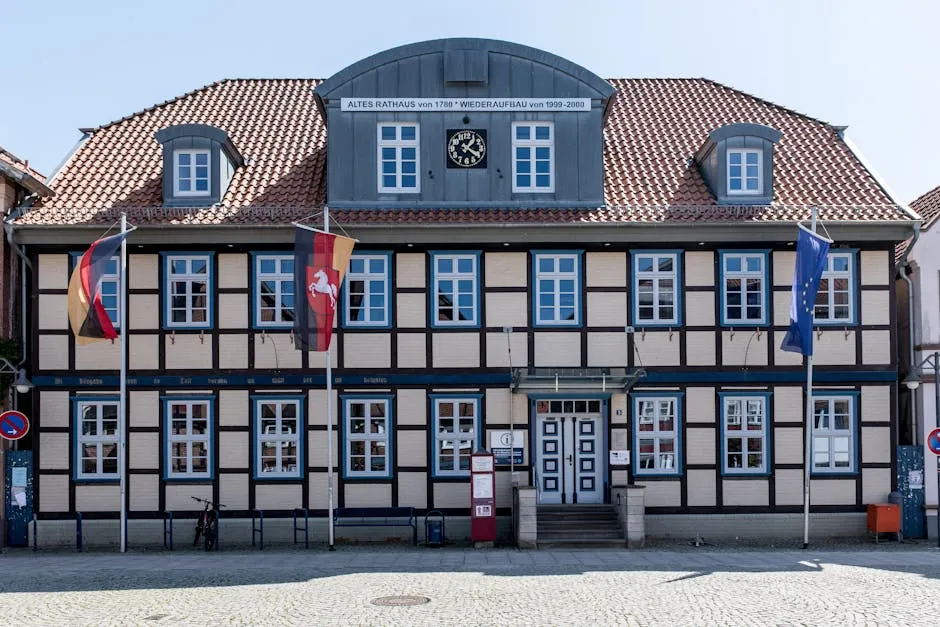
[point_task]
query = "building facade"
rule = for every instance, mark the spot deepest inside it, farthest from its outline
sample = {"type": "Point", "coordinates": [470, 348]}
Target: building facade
{"type": "Point", "coordinates": [602, 265]}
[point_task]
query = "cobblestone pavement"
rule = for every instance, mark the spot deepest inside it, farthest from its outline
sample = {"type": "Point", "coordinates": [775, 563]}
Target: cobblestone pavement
{"type": "Point", "coordinates": [473, 587]}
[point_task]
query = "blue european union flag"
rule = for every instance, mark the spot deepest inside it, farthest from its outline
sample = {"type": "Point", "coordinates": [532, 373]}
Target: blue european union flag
{"type": "Point", "coordinates": [811, 251]}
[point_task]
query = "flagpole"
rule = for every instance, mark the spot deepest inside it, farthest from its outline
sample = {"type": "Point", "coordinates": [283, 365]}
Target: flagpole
{"type": "Point", "coordinates": [808, 443]}
{"type": "Point", "coordinates": [329, 408]}
{"type": "Point", "coordinates": [122, 403]}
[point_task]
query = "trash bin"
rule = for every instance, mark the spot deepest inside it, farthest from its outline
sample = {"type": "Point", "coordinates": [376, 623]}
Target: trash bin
{"type": "Point", "coordinates": [434, 528]}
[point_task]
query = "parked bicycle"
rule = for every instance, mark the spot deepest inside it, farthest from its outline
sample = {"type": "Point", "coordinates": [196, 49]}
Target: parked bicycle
{"type": "Point", "coordinates": [207, 524]}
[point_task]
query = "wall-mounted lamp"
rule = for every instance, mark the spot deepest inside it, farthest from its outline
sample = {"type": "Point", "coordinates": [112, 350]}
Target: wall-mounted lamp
{"type": "Point", "coordinates": [20, 382]}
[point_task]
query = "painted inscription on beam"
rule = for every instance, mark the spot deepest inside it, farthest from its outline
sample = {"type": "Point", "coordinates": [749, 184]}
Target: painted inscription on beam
{"type": "Point", "coordinates": [464, 104]}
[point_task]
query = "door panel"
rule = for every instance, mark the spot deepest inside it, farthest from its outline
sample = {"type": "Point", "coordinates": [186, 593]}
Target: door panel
{"type": "Point", "coordinates": [569, 460]}
{"type": "Point", "coordinates": [589, 483]}
{"type": "Point", "coordinates": [550, 457]}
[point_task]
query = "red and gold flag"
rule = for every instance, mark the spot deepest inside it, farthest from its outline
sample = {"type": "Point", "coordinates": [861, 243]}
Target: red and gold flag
{"type": "Point", "coordinates": [320, 261]}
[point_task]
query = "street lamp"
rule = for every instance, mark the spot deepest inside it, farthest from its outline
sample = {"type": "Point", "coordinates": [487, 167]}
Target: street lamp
{"type": "Point", "coordinates": [20, 382]}
{"type": "Point", "coordinates": [913, 382]}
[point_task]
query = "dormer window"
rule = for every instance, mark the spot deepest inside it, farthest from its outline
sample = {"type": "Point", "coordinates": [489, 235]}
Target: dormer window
{"type": "Point", "coordinates": [744, 171]}
{"type": "Point", "coordinates": [199, 162]}
{"type": "Point", "coordinates": [192, 173]}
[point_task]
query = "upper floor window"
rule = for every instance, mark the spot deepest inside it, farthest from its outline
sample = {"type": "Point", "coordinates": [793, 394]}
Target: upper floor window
{"type": "Point", "coordinates": [656, 288]}
{"type": "Point", "coordinates": [189, 280]}
{"type": "Point", "coordinates": [366, 295]}
{"type": "Point", "coordinates": [557, 297]}
{"type": "Point", "coordinates": [455, 301]}
{"type": "Point", "coordinates": [744, 171]}
{"type": "Point", "coordinates": [744, 434]}
{"type": "Point", "coordinates": [533, 157]}
{"type": "Point", "coordinates": [367, 425]}
{"type": "Point", "coordinates": [278, 427]}
{"type": "Point", "coordinates": [97, 439]}
{"type": "Point", "coordinates": [274, 290]}
{"type": "Point", "coordinates": [834, 433]}
{"type": "Point", "coordinates": [656, 435]}
{"type": "Point", "coordinates": [744, 288]}
{"type": "Point", "coordinates": [192, 172]}
{"type": "Point", "coordinates": [188, 439]}
{"type": "Point", "coordinates": [399, 158]}
{"type": "Point", "coordinates": [456, 431]}
{"type": "Point", "coordinates": [835, 300]}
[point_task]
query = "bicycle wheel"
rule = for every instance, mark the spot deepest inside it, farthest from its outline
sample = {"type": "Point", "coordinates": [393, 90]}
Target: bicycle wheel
{"type": "Point", "coordinates": [200, 524]}
{"type": "Point", "coordinates": [210, 534]}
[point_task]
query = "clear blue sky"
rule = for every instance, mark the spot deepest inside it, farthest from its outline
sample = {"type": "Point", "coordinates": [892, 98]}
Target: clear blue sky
{"type": "Point", "coordinates": [871, 65]}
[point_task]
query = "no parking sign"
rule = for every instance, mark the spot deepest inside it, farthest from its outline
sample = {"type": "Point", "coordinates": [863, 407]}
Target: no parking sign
{"type": "Point", "coordinates": [933, 441]}
{"type": "Point", "coordinates": [13, 425]}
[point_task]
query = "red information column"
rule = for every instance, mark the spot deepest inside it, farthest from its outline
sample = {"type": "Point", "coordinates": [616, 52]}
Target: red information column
{"type": "Point", "coordinates": [482, 497]}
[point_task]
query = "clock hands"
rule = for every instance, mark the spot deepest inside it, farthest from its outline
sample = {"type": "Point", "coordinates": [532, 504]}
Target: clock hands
{"type": "Point", "coordinates": [467, 148]}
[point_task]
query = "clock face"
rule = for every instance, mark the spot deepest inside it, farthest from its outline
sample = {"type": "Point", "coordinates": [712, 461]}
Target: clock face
{"type": "Point", "coordinates": [466, 148]}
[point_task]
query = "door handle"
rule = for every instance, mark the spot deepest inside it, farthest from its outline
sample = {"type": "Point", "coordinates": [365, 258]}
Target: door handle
{"type": "Point", "coordinates": [570, 459]}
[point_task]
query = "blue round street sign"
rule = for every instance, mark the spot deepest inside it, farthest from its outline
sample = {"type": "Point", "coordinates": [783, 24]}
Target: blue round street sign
{"type": "Point", "coordinates": [933, 441]}
{"type": "Point", "coordinates": [13, 425]}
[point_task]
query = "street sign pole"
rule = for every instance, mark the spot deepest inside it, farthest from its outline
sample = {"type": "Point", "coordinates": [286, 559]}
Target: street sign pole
{"type": "Point", "coordinates": [933, 443]}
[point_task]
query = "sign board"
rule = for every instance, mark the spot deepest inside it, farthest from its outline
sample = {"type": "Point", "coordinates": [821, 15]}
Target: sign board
{"type": "Point", "coordinates": [482, 486]}
{"type": "Point", "coordinates": [464, 104]}
{"type": "Point", "coordinates": [13, 425]}
{"type": "Point", "coordinates": [619, 458]}
{"type": "Point", "coordinates": [933, 441]}
{"type": "Point", "coordinates": [501, 448]}
{"type": "Point", "coordinates": [481, 463]}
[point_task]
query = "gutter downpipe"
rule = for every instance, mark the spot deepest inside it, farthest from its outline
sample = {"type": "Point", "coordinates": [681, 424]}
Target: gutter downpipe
{"type": "Point", "coordinates": [903, 267]}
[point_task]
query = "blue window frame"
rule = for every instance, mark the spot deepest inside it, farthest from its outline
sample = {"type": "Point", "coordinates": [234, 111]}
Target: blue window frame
{"type": "Point", "coordinates": [97, 432]}
{"type": "Point", "coordinates": [657, 434]}
{"type": "Point", "coordinates": [556, 280]}
{"type": "Point", "coordinates": [188, 438]}
{"type": "Point", "coordinates": [399, 157]}
{"type": "Point", "coordinates": [187, 290]}
{"type": "Point", "coordinates": [455, 284]}
{"type": "Point", "coordinates": [744, 172]}
{"type": "Point", "coordinates": [533, 157]}
{"type": "Point", "coordinates": [835, 428]}
{"type": "Point", "coordinates": [367, 442]}
{"type": "Point", "coordinates": [279, 431]}
{"type": "Point", "coordinates": [367, 291]}
{"type": "Point", "coordinates": [110, 285]}
{"type": "Point", "coordinates": [657, 287]}
{"type": "Point", "coordinates": [745, 288]}
{"type": "Point", "coordinates": [273, 290]}
{"type": "Point", "coordinates": [745, 433]}
{"type": "Point", "coordinates": [455, 433]}
{"type": "Point", "coordinates": [836, 298]}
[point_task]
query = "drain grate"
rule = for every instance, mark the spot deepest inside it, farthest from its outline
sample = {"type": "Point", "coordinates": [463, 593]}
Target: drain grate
{"type": "Point", "coordinates": [400, 600]}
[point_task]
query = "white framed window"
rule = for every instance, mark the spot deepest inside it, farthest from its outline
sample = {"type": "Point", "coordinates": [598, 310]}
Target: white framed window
{"type": "Point", "coordinates": [835, 300]}
{"type": "Point", "coordinates": [366, 296]}
{"type": "Point", "coordinates": [745, 434]}
{"type": "Point", "coordinates": [557, 298]}
{"type": "Point", "coordinates": [368, 428]}
{"type": "Point", "coordinates": [455, 432]}
{"type": "Point", "coordinates": [744, 171]}
{"type": "Point", "coordinates": [188, 286]}
{"type": "Point", "coordinates": [533, 157]}
{"type": "Point", "coordinates": [191, 169]}
{"type": "Point", "coordinates": [656, 288]}
{"type": "Point", "coordinates": [188, 438]}
{"type": "Point", "coordinates": [97, 434]}
{"type": "Point", "coordinates": [744, 288]}
{"type": "Point", "coordinates": [278, 438]}
{"type": "Point", "coordinates": [455, 281]}
{"type": "Point", "coordinates": [399, 157]}
{"type": "Point", "coordinates": [833, 433]}
{"type": "Point", "coordinates": [656, 435]}
{"type": "Point", "coordinates": [274, 290]}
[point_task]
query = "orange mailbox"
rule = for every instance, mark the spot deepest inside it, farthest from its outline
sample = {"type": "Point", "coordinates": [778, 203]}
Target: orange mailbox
{"type": "Point", "coordinates": [482, 497]}
{"type": "Point", "coordinates": [884, 518]}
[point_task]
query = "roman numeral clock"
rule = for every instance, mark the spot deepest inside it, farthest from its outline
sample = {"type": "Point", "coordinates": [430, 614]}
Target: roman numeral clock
{"type": "Point", "coordinates": [466, 148]}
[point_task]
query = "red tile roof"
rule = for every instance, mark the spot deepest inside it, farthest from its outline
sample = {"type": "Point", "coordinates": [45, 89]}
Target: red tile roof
{"type": "Point", "coordinates": [654, 127]}
{"type": "Point", "coordinates": [19, 170]}
{"type": "Point", "coordinates": [928, 206]}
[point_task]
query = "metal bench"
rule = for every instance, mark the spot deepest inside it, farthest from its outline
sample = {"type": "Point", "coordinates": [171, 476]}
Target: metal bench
{"type": "Point", "coordinates": [377, 517]}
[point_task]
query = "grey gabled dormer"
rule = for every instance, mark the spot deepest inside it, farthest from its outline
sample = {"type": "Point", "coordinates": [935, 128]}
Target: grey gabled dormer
{"type": "Point", "coordinates": [198, 164]}
{"type": "Point", "coordinates": [737, 163]}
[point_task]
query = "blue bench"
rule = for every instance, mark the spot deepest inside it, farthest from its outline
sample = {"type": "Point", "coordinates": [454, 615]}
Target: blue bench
{"type": "Point", "coordinates": [377, 517]}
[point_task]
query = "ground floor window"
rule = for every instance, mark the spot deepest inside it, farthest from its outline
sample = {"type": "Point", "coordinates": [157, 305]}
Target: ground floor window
{"type": "Point", "coordinates": [278, 442]}
{"type": "Point", "coordinates": [188, 438]}
{"type": "Point", "coordinates": [455, 431]}
{"type": "Point", "coordinates": [97, 437]}
{"type": "Point", "coordinates": [656, 434]}
{"type": "Point", "coordinates": [744, 433]}
{"type": "Point", "coordinates": [833, 433]}
{"type": "Point", "coordinates": [367, 426]}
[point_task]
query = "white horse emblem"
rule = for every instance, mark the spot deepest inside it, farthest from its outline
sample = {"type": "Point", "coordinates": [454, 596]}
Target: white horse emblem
{"type": "Point", "coordinates": [322, 285]}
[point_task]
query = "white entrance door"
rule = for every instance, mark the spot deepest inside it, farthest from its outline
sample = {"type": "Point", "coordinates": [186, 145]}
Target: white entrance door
{"type": "Point", "coordinates": [570, 463]}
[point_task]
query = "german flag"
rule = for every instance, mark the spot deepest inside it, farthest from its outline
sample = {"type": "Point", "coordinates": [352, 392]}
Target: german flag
{"type": "Point", "coordinates": [87, 316]}
{"type": "Point", "coordinates": [320, 261]}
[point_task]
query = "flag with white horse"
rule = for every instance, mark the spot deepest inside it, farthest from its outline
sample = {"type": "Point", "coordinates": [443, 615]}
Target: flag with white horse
{"type": "Point", "coordinates": [320, 261]}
